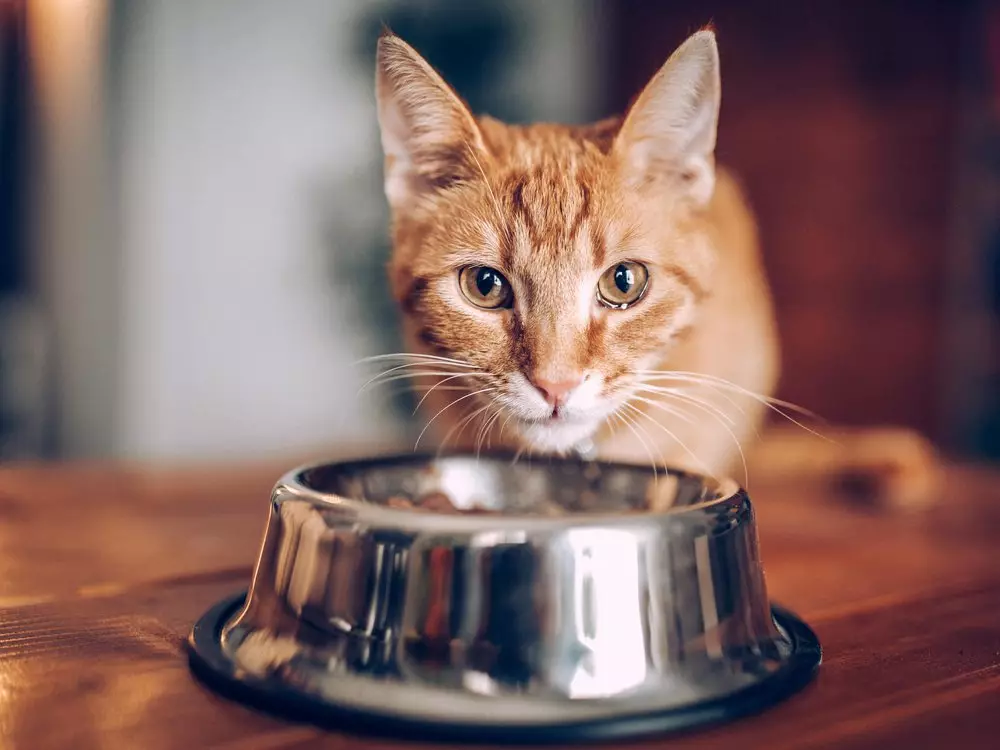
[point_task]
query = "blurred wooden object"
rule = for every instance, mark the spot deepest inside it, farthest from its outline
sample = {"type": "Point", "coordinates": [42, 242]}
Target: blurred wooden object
{"type": "Point", "coordinates": [104, 570]}
{"type": "Point", "coordinates": [840, 117]}
{"type": "Point", "coordinates": [884, 468]}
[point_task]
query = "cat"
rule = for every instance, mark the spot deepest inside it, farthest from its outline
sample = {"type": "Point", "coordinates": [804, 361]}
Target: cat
{"type": "Point", "coordinates": [597, 289]}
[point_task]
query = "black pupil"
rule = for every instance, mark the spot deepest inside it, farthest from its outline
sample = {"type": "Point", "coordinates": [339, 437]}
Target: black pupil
{"type": "Point", "coordinates": [624, 278]}
{"type": "Point", "coordinates": [486, 281]}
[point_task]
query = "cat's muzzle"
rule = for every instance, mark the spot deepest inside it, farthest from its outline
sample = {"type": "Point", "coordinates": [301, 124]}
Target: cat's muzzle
{"type": "Point", "coordinates": [480, 599]}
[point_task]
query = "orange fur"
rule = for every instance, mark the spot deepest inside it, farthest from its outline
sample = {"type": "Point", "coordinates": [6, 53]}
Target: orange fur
{"type": "Point", "coordinates": [552, 208]}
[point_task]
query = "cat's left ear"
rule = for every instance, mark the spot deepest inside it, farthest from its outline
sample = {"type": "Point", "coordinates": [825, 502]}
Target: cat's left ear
{"type": "Point", "coordinates": [669, 133]}
{"type": "Point", "coordinates": [429, 137]}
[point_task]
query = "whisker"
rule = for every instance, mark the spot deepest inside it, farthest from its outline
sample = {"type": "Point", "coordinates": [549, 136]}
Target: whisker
{"type": "Point", "coordinates": [680, 394]}
{"type": "Point", "coordinates": [438, 387]}
{"type": "Point", "coordinates": [705, 468]}
{"type": "Point", "coordinates": [396, 390]}
{"type": "Point", "coordinates": [683, 392]}
{"type": "Point", "coordinates": [642, 430]}
{"type": "Point", "coordinates": [382, 380]}
{"type": "Point", "coordinates": [641, 413]}
{"type": "Point", "coordinates": [398, 370]}
{"type": "Point", "coordinates": [671, 410]}
{"type": "Point", "coordinates": [384, 373]}
{"type": "Point", "coordinates": [713, 409]}
{"type": "Point", "coordinates": [486, 427]}
{"type": "Point", "coordinates": [479, 434]}
{"type": "Point", "coordinates": [727, 428]}
{"type": "Point", "coordinates": [448, 406]}
{"type": "Point", "coordinates": [415, 356]}
{"type": "Point", "coordinates": [717, 381]}
{"type": "Point", "coordinates": [771, 403]}
{"type": "Point", "coordinates": [630, 424]}
{"type": "Point", "coordinates": [485, 421]}
{"type": "Point", "coordinates": [438, 384]}
{"type": "Point", "coordinates": [460, 426]}
{"type": "Point", "coordinates": [500, 435]}
{"type": "Point", "coordinates": [716, 391]}
{"type": "Point", "coordinates": [493, 422]}
{"type": "Point", "coordinates": [633, 426]}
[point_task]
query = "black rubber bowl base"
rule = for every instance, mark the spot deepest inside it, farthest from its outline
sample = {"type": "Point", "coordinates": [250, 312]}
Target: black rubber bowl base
{"type": "Point", "coordinates": [210, 664]}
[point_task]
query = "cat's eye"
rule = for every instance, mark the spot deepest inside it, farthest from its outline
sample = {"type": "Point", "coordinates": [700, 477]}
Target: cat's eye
{"type": "Point", "coordinates": [623, 284]}
{"type": "Point", "coordinates": [485, 287]}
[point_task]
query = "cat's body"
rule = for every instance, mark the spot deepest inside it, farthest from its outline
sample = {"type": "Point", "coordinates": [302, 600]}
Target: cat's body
{"type": "Point", "coordinates": [568, 288]}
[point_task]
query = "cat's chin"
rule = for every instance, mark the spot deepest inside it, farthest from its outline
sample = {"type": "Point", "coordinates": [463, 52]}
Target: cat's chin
{"type": "Point", "coordinates": [555, 436]}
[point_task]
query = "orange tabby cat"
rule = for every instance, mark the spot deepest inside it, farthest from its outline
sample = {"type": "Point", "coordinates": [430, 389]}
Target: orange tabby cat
{"type": "Point", "coordinates": [594, 288]}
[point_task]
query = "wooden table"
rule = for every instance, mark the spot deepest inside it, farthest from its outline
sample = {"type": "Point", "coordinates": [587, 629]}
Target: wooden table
{"type": "Point", "coordinates": [102, 572]}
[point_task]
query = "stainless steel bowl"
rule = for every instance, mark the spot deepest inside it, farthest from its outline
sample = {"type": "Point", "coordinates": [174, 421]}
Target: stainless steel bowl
{"type": "Point", "coordinates": [478, 598]}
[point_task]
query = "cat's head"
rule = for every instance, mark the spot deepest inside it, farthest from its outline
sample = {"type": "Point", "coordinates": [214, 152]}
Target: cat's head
{"type": "Point", "coordinates": [559, 261]}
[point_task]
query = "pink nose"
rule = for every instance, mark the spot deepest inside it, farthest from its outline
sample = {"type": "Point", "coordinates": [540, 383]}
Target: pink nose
{"type": "Point", "coordinates": [557, 391]}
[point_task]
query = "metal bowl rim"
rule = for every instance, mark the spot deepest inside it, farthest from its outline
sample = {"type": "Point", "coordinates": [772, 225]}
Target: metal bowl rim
{"type": "Point", "coordinates": [730, 496]}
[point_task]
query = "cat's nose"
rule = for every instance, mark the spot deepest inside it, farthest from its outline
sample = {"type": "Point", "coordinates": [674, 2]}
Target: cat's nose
{"type": "Point", "coordinates": [557, 391]}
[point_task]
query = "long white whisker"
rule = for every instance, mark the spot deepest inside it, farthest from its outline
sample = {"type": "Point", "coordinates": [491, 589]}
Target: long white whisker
{"type": "Point", "coordinates": [492, 424]}
{"type": "Point", "coordinates": [394, 391]}
{"type": "Point", "coordinates": [500, 434]}
{"type": "Point", "coordinates": [381, 380]}
{"type": "Point", "coordinates": [771, 403]}
{"type": "Point", "coordinates": [668, 408]}
{"type": "Point", "coordinates": [684, 392]}
{"type": "Point", "coordinates": [448, 406]}
{"type": "Point", "coordinates": [716, 389]}
{"type": "Point", "coordinates": [714, 380]}
{"type": "Point", "coordinates": [416, 357]}
{"type": "Point", "coordinates": [680, 442]}
{"type": "Point", "coordinates": [398, 390]}
{"type": "Point", "coordinates": [460, 426]}
{"type": "Point", "coordinates": [727, 428]}
{"type": "Point", "coordinates": [479, 434]}
{"type": "Point", "coordinates": [384, 373]}
{"type": "Point", "coordinates": [682, 395]}
{"type": "Point", "coordinates": [436, 385]}
{"type": "Point", "coordinates": [416, 374]}
{"type": "Point", "coordinates": [630, 424]}
{"type": "Point", "coordinates": [641, 413]}
{"type": "Point", "coordinates": [423, 388]}
{"type": "Point", "coordinates": [409, 367]}
{"type": "Point", "coordinates": [487, 424]}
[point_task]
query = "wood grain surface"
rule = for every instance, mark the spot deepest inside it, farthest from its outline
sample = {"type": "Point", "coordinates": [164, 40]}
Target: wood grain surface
{"type": "Point", "coordinates": [103, 570]}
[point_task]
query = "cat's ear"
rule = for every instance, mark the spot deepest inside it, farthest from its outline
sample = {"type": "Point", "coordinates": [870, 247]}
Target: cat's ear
{"type": "Point", "coordinates": [429, 137]}
{"type": "Point", "coordinates": [669, 133]}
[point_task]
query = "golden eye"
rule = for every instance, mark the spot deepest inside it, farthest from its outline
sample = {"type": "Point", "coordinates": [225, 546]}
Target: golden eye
{"type": "Point", "coordinates": [622, 285]}
{"type": "Point", "coordinates": [485, 287]}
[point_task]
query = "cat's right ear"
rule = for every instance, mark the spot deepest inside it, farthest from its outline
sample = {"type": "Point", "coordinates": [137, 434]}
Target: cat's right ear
{"type": "Point", "coordinates": [429, 137]}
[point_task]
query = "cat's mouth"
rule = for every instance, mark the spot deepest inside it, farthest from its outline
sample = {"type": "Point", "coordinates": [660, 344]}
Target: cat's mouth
{"type": "Point", "coordinates": [559, 426]}
{"type": "Point", "coordinates": [555, 417]}
{"type": "Point", "coordinates": [558, 432]}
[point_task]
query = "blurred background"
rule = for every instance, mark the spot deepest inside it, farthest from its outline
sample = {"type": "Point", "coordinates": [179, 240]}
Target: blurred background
{"type": "Point", "coordinates": [193, 231]}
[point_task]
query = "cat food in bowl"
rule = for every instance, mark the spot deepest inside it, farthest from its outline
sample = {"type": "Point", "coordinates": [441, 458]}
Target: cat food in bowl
{"type": "Point", "coordinates": [482, 599]}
